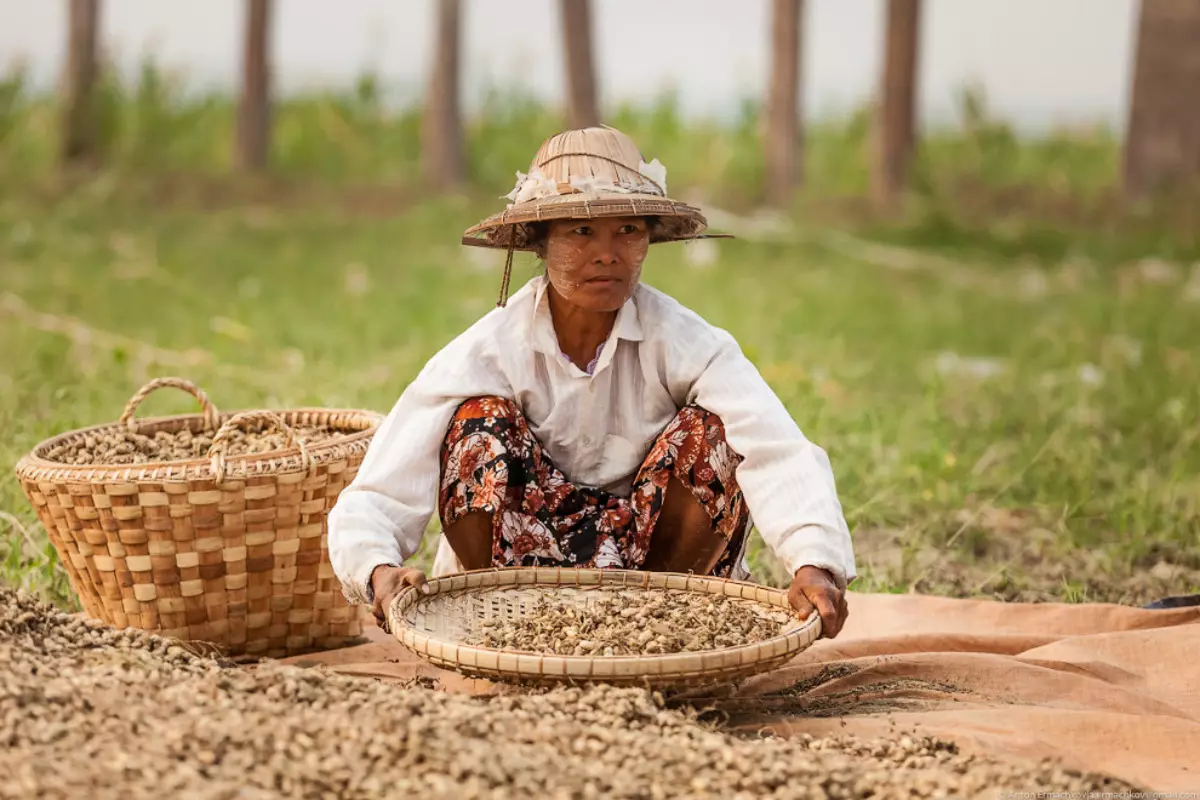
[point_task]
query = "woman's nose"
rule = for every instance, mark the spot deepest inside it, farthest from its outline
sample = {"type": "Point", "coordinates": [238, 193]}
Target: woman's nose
{"type": "Point", "coordinates": [605, 250]}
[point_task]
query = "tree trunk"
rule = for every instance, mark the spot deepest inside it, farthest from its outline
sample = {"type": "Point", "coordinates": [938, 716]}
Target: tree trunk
{"type": "Point", "coordinates": [254, 109]}
{"type": "Point", "coordinates": [582, 110]}
{"type": "Point", "coordinates": [784, 136]}
{"type": "Point", "coordinates": [80, 138]}
{"type": "Point", "coordinates": [1162, 142]}
{"type": "Point", "coordinates": [441, 128]}
{"type": "Point", "coordinates": [895, 133]}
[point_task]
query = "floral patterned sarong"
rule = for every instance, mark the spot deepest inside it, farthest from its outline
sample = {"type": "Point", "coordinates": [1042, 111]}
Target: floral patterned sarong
{"type": "Point", "coordinates": [491, 462]}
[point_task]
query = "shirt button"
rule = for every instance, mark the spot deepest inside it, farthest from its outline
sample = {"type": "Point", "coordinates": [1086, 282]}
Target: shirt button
{"type": "Point", "coordinates": [587, 441]}
{"type": "Point", "coordinates": [592, 387]}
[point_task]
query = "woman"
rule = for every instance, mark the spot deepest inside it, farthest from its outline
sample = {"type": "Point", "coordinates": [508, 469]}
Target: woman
{"type": "Point", "coordinates": [591, 421]}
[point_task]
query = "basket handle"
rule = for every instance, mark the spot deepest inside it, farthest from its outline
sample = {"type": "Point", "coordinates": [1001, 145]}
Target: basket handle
{"type": "Point", "coordinates": [220, 442]}
{"type": "Point", "coordinates": [211, 415]}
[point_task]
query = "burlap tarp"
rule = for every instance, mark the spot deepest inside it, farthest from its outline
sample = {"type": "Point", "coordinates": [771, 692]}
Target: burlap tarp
{"type": "Point", "coordinates": [1103, 688]}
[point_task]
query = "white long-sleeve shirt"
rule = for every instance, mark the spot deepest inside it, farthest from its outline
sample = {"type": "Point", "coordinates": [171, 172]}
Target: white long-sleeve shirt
{"type": "Point", "coordinates": [596, 428]}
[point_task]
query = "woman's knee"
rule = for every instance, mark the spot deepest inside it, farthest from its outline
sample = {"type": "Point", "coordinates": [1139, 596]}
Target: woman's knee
{"type": "Point", "coordinates": [699, 421]}
{"type": "Point", "coordinates": [489, 416]}
{"type": "Point", "coordinates": [487, 407]}
{"type": "Point", "coordinates": [705, 454]}
{"type": "Point", "coordinates": [477, 456]}
{"type": "Point", "coordinates": [703, 429]}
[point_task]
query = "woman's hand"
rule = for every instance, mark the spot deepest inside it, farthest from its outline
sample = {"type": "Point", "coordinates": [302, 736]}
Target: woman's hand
{"type": "Point", "coordinates": [814, 587]}
{"type": "Point", "coordinates": [387, 582]}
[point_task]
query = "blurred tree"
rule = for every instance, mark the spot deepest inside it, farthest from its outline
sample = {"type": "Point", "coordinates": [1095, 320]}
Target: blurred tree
{"type": "Point", "coordinates": [80, 125]}
{"type": "Point", "coordinates": [441, 127]}
{"type": "Point", "coordinates": [895, 121]}
{"type": "Point", "coordinates": [1162, 143]}
{"type": "Point", "coordinates": [254, 108]}
{"type": "Point", "coordinates": [784, 137]}
{"type": "Point", "coordinates": [582, 109]}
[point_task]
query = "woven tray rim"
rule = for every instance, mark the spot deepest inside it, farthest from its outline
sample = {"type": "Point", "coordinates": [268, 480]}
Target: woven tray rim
{"type": "Point", "coordinates": [735, 661]}
{"type": "Point", "coordinates": [34, 467]}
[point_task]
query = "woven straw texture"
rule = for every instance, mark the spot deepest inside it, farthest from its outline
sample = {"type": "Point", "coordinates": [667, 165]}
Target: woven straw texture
{"type": "Point", "coordinates": [230, 551]}
{"type": "Point", "coordinates": [435, 626]}
{"type": "Point", "coordinates": [590, 156]}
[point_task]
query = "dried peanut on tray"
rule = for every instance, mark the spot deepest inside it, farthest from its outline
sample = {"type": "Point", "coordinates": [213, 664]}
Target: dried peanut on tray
{"type": "Point", "coordinates": [633, 623]}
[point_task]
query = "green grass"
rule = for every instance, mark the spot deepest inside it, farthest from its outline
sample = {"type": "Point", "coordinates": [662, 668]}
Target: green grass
{"type": "Point", "coordinates": [1007, 390]}
{"type": "Point", "coordinates": [980, 417]}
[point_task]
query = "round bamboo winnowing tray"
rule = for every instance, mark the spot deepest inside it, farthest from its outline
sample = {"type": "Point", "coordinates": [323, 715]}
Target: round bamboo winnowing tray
{"type": "Point", "coordinates": [435, 626]}
{"type": "Point", "coordinates": [229, 550]}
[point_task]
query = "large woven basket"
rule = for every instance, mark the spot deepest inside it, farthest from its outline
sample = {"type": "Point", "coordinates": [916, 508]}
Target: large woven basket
{"type": "Point", "coordinates": [436, 625]}
{"type": "Point", "coordinates": [230, 551]}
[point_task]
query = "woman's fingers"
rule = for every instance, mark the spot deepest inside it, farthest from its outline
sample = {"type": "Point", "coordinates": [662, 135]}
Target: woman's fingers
{"type": "Point", "coordinates": [387, 582]}
{"type": "Point", "coordinates": [826, 604]}
{"type": "Point", "coordinates": [799, 600]}
{"type": "Point", "coordinates": [831, 605]}
{"type": "Point", "coordinates": [814, 588]}
{"type": "Point", "coordinates": [416, 579]}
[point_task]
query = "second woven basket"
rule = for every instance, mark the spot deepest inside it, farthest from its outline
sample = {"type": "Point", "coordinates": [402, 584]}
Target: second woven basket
{"type": "Point", "coordinates": [223, 549]}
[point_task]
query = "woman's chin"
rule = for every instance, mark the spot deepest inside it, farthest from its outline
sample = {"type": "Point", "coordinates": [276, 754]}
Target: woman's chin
{"type": "Point", "coordinates": [606, 295]}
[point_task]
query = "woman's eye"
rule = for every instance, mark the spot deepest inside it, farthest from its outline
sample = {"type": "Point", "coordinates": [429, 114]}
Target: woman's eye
{"type": "Point", "coordinates": [627, 229]}
{"type": "Point", "coordinates": [583, 230]}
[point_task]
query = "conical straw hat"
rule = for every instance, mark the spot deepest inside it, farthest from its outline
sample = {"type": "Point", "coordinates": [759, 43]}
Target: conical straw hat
{"type": "Point", "coordinates": [585, 174]}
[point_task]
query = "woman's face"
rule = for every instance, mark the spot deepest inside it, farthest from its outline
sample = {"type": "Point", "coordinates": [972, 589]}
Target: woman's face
{"type": "Point", "coordinates": [595, 264]}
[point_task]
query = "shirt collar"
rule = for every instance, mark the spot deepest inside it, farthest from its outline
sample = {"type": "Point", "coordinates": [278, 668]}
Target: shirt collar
{"type": "Point", "coordinates": [628, 326]}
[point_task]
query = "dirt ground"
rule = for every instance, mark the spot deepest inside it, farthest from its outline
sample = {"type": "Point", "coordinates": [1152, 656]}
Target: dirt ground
{"type": "Point", "coordinates": [1018, 560]}
{"type": "Point", "coordinates": [88, 711]}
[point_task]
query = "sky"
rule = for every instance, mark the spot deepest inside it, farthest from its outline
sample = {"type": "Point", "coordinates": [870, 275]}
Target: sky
{"type": "Point", "coordinates": [1042, 63]}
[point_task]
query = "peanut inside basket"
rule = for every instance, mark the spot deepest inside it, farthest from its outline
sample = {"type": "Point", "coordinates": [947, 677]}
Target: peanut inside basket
{"type": "Point", "coordinates": [632, 623]}
{"type": "Point", "coordinates": [120, 445]}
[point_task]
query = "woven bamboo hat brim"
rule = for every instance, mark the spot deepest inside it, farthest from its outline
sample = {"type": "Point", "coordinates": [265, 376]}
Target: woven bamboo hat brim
{"type": "Point", "coordinates": [588, 174]}
{"type": "Point", "coordinates": [436, 626]}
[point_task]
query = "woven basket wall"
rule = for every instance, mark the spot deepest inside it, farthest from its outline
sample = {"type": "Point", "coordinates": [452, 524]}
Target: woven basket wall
{"type": "Point", "coordinates": [437, 626]}
{"type": "Point", "coordinates": [229, 551]}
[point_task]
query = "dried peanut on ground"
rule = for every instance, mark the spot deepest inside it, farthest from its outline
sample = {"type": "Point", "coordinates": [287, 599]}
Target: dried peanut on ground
{"type": "Point", "coordinates": [90, 712]}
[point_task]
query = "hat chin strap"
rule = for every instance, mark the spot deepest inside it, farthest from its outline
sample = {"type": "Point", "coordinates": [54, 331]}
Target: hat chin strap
{"type": "Point", "coordinates": [503, 301]}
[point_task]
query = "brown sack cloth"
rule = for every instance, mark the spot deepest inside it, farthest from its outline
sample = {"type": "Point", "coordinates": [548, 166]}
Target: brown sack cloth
{"type": "Point", "coordinates": [1104, 688]}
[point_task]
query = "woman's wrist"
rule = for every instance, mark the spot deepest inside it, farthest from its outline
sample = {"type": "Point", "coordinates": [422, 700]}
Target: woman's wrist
{"type": "Point", "coordinates": [371, 580]}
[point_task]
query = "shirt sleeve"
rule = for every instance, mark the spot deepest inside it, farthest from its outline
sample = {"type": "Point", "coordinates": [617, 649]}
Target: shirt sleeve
{"type": "Point", "coordinates": [380, 518]}
{"type": "Point", "coordinates": [787, 480]}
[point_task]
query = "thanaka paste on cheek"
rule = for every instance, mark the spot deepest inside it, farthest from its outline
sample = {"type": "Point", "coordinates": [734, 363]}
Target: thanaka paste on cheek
{"type": "Point", "coordinates": [568, 264]}
{"type": "Point", "coordinates": [563, 260]}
